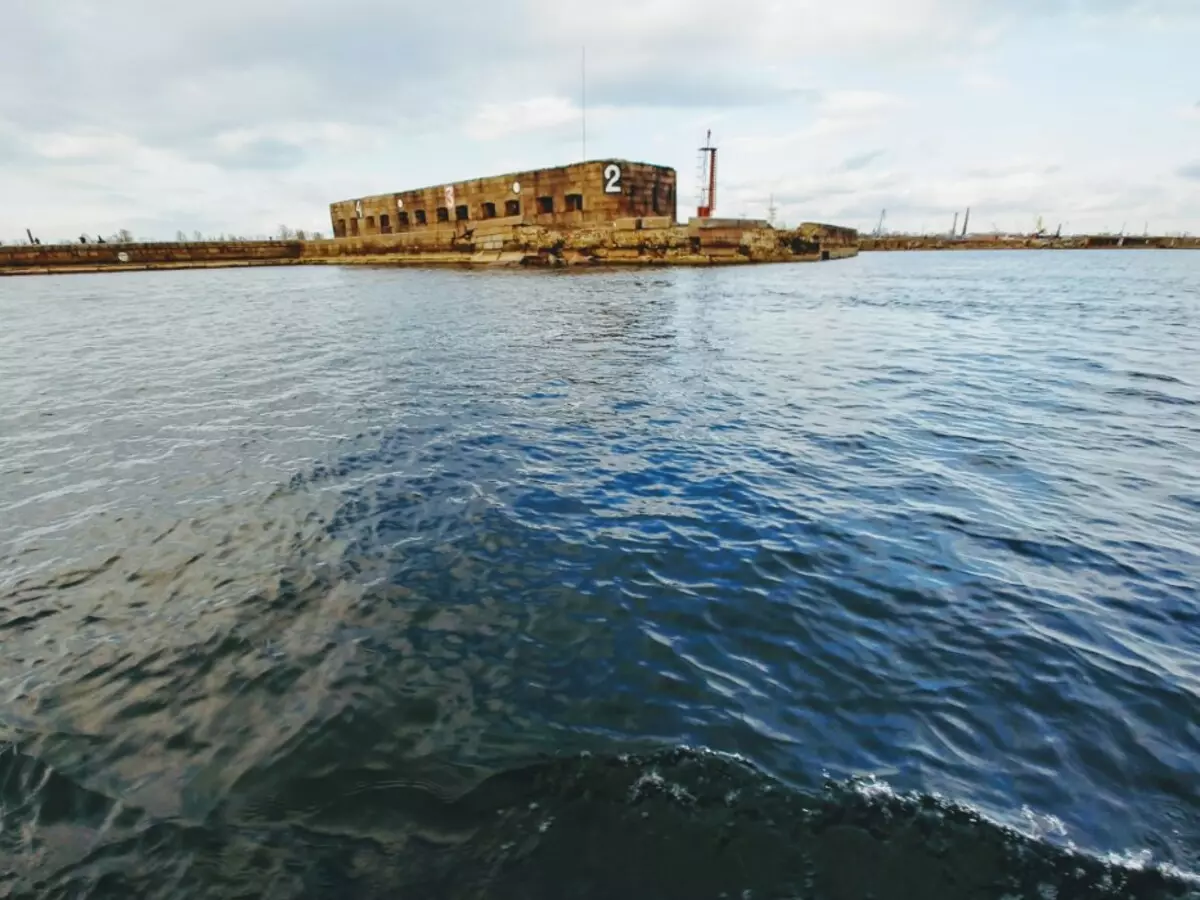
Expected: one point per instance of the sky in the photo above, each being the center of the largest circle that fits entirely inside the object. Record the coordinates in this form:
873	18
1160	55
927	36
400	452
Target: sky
238	116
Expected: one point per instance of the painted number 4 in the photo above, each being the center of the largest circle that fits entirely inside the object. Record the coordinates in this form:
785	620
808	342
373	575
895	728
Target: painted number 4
612	179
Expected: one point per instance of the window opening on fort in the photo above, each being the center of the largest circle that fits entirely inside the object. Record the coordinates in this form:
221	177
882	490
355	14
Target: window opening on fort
545	204
370	224
461	213
654	198
354	227
512	207
574	202
402	218
385	223
420	216
443	214
341	228
489	210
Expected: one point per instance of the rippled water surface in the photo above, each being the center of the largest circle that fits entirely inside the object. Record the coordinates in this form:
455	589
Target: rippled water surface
875	578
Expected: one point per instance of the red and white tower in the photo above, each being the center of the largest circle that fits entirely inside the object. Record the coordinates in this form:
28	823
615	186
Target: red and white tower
708	179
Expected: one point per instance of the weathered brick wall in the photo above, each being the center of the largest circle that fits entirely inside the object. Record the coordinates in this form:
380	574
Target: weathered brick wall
68	255
830	236
581	194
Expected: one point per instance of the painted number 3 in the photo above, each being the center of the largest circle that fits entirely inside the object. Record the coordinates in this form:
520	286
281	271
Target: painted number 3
612	179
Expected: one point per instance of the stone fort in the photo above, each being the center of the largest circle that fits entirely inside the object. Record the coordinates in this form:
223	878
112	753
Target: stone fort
582	194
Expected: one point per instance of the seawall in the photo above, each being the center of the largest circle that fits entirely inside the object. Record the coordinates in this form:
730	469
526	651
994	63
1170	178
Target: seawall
637	241
634	241
39	259
1020	242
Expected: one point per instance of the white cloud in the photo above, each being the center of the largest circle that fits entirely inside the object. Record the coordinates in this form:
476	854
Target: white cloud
498	120
230	116
83	146
840	112
985	82
855	104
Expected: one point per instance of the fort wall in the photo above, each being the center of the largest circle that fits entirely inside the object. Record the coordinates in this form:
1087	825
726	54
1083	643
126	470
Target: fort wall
575	195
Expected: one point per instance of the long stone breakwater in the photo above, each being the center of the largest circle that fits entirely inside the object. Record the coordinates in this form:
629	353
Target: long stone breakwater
625	242
870	243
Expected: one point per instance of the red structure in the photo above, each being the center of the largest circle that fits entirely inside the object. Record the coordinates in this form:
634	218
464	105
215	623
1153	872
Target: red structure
708	179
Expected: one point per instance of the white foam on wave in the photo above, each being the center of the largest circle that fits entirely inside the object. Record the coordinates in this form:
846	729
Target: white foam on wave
1029	824
1034	826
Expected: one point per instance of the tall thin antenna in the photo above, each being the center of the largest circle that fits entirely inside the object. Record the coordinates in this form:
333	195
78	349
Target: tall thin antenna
583	96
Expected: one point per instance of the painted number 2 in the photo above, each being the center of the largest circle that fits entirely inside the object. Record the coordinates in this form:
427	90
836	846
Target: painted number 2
612	179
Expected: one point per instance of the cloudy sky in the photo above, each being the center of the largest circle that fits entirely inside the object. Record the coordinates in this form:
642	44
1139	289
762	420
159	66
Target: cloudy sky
240	115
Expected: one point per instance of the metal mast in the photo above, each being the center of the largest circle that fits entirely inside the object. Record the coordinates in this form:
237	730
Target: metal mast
583	96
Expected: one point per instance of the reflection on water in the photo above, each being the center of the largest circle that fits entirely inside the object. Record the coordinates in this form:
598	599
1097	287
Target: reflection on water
399	583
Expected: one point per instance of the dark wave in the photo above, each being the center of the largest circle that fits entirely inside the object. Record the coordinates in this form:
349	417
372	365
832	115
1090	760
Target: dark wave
677	823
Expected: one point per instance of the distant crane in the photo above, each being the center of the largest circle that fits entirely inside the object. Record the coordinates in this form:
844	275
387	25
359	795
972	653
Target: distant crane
966	221
771	210
954	227
708	178
879	227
